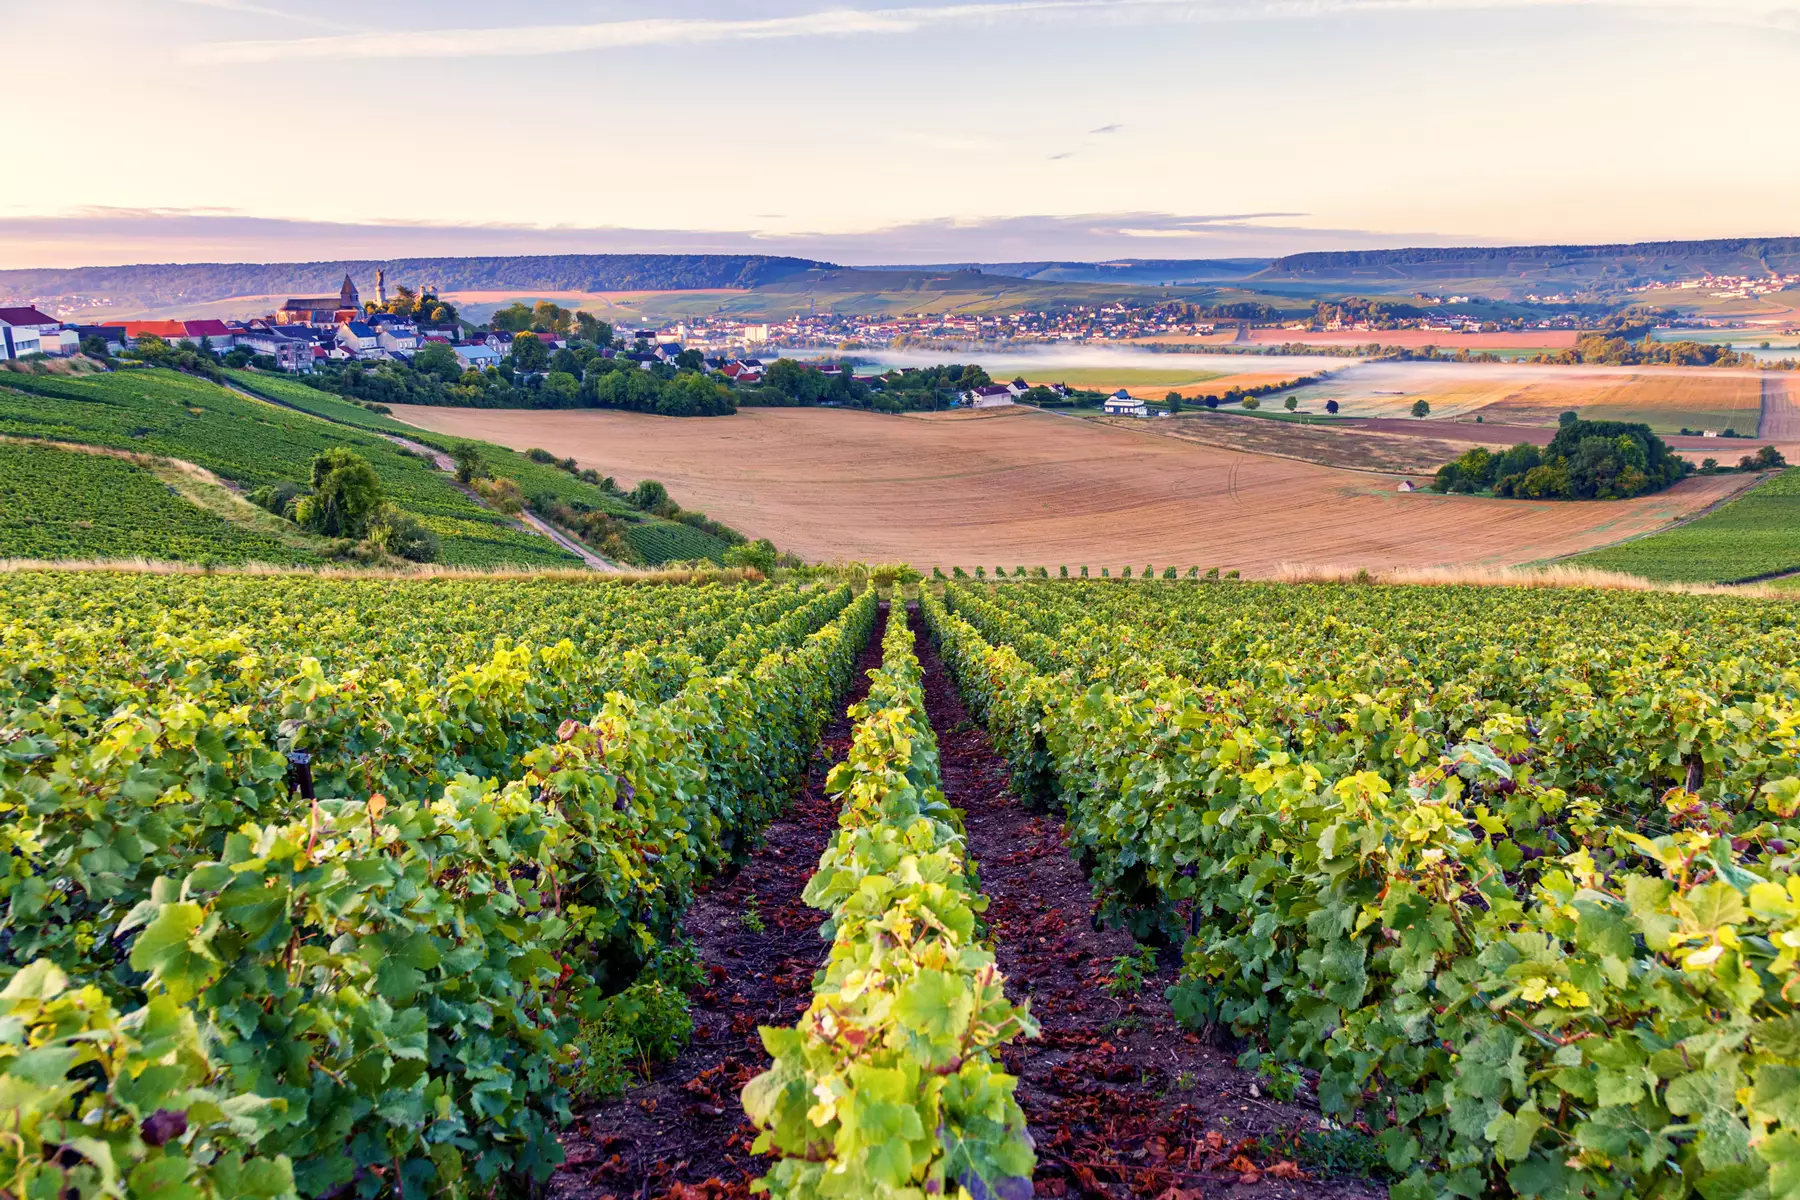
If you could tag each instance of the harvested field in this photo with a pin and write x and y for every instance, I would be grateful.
(1780, 421)
(1664, 400)
(1667, 399)
(1524, 339)
(1414, 453)
(1726, 450)
(1037, 487)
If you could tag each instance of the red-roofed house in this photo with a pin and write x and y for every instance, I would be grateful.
(218, 331)
(27, 331)
(169, 331)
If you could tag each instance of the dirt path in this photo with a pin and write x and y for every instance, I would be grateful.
(1122, 1101)
(683, 1134)
(1780, 411)
(444, 462)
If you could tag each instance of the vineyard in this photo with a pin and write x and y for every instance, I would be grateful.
(449, 887)
(158, 412)
(58, 503)
(1509, 872)
(295, 904)
(1754, 536)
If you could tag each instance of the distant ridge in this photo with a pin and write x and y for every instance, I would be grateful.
(1721, 255)
(197, 283)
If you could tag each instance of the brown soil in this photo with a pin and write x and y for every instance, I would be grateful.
(1327, 445)
(684, 1128)
(1121, 1100)
(1043, 488)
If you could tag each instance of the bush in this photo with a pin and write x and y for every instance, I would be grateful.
(346, 492)
(277, 498)
(648, 495)
(396, 532)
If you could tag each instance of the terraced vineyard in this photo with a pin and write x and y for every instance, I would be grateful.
(1510, 873)
(230, 986)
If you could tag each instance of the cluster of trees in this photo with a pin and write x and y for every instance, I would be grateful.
(418, 306)
(346, 501)
(555, 320)
(1585, 460)
(1612, 350)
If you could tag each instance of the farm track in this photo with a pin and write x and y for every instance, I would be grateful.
(683, 1134)
(1780, 421)
(1121, 1100)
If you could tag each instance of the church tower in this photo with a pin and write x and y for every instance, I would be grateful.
(347, 295)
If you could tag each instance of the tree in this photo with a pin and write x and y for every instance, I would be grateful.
(590, 328)
(95, 346)
(1174, 401)
(760, 555)
(1421, 407)
(1331, 406)
(514, 318)
(470, 465)
(439, 361)
(1292, 403)
(648, 495)
(528, 353)
(346, 492)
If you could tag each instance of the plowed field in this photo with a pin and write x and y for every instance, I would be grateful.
(1034, 487)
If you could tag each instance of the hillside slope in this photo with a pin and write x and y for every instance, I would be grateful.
(250, 443)
(154, 285)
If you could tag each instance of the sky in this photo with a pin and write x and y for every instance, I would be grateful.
(987, 130)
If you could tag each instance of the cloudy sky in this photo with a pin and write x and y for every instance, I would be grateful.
(985, 130)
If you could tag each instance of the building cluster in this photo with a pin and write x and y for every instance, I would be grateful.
(1728, 287)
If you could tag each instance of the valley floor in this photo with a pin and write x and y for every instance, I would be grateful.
(1029, 487)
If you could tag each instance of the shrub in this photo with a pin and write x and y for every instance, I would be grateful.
(346, 492)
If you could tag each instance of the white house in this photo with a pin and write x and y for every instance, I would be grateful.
(1123, 404)
(354, 337)
(993, 396)
(475, 356)
(1017, 388)
(27, 331)
(397, 337)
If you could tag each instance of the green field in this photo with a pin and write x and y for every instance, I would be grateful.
(250, 443)
(70, 504)
(1754, 536)
(656, 540)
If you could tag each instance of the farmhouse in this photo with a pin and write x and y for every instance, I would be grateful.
(27, 331)
(1123, 404)
(992, 396)
(476, 355)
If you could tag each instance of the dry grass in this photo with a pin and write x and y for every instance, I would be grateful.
(1553, 576)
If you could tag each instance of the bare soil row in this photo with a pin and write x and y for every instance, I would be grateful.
(1121, 1101)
